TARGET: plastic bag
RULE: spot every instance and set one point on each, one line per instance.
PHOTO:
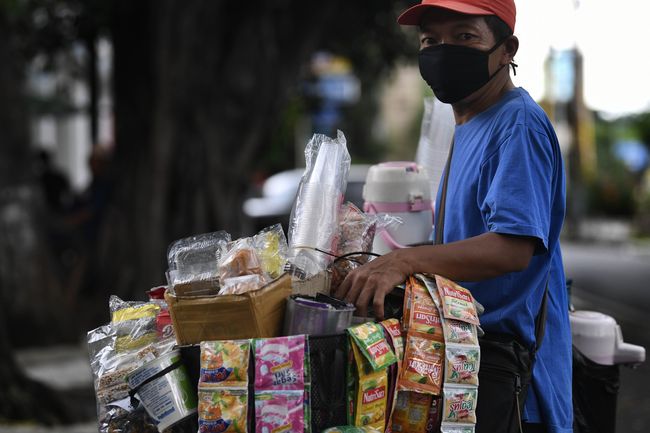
(436, 133)
(272, 248)
(314, 216)
(134, 323)
(193, 263)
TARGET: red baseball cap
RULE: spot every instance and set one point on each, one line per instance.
(504, 9)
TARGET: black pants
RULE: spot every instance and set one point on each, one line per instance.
(534, 428)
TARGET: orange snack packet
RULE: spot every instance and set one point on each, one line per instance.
(423, 365)
(457, 301)
(424, 316)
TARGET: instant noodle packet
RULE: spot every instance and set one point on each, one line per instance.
(280, 363)
(457, 301)
(369, 393)
(371, 341)
(459, 404)
(422, 366)
(462, 364)
(223, 410)
(224, 363)
(459, 332)
(424, 317)
(279, 412)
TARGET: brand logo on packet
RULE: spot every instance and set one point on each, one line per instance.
(282, 366)
(462, 405)
(463, 366)
(379, 348)
(455, 293)
(424, 368)
(374, 394)
(429, 319)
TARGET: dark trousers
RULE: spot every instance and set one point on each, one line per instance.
(534, 428)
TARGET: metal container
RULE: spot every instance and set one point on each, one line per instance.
(305, 319)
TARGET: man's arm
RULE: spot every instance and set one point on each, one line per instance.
(482, 257)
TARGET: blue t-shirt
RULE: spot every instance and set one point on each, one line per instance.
(507, 176)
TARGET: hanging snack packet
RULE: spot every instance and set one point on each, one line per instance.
(280, 363)
(462, 364)
(406, 309)
(224, 363)
(223, 410)
(393, 332)
(279, 411)
(459, 404)
(457, 301)
(422, 367)
(369, 392)
(430, 284)
(435, 411)
(424, 316)
(457, 428)
(459, 332)
(372, 343)
(411, 412)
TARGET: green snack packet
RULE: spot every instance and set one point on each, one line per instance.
(370, 339)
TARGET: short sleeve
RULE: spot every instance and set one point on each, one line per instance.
(515, 186)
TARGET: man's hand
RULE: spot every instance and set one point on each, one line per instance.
(373, 281)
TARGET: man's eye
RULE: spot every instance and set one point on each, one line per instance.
(465, 36)
(427, 41)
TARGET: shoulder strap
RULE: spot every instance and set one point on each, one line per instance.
(440, 217)
(540, 320)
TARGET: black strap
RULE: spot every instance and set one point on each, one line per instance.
(440, 218)
(161, 373)
(540, 320)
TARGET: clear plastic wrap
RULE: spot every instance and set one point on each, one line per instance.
(240, 259)
(193, 263)
(272, 249)
(110, 367)
(242, 284)
(314, 217)
(134, 323)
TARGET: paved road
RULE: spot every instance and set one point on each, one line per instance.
(614, 279)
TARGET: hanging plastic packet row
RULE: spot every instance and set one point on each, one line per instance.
(314, 219)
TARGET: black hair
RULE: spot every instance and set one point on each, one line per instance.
(498, 27)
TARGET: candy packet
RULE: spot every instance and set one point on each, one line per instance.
(224, 363)
(462, 364)
(223, 410)
(457, 301)
(279, 411)
(371, 341)
(459, 404)
(422, 367)
(370, 392)
(459, 332)
(457, 428)
(280, 363)
(424, 317)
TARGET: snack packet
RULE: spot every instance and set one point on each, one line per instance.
(271, 247)
(422, 367)
(224, 363)
(280, 363)
(411, 412)
(457, 428)
(459, 404)
(370, 392)
(462, 364)
(351, 429)
(424, 317)
(371, 341)
(240, 259)
(393, 332)
(223, 410)
(430, 284)
(459, 332)
(433, 420)
(457, 301)
(406, 313)
(279, 411)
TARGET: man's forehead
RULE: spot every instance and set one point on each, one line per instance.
(437, 17)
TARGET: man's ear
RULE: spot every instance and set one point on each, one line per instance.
(511, 46)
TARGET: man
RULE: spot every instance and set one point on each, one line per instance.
(505, 200)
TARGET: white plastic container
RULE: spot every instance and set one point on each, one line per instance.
(599, 338)
(401, 189)
(169, 398)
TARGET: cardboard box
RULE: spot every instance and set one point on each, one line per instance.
(253, 314)
(319, 283)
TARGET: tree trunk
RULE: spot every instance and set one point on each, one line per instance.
(198, 88)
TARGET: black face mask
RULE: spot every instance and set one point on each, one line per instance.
(455, 71)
